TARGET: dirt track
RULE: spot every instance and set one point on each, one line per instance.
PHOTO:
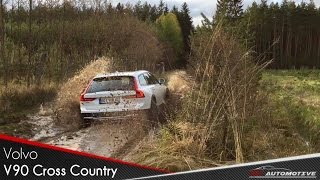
(111, 138)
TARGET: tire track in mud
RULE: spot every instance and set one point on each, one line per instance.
(132, 142)
(108, 138)
(111, 138)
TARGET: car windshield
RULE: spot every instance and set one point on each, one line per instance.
(112, 83)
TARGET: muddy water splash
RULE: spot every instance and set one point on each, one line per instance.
(66, 106)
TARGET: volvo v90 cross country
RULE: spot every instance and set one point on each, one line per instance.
(120, 93)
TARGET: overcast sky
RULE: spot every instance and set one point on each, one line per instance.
(208, 7)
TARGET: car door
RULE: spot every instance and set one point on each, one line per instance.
(157, 89)
(162, 89)
(153, 84)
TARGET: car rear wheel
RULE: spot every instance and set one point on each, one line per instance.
(85, 122)
(153, 112)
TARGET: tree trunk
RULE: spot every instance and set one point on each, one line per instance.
(2, 44)
(29, 45)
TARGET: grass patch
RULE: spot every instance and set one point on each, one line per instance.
(298, 93)
(295, 94)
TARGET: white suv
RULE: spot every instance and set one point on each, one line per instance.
(121, 92)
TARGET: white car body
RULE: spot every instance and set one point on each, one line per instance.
(114, 92)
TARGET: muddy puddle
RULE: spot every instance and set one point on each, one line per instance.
(105, 138)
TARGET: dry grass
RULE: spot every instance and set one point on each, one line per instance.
(209, 126)
(66, 106)
(174, 148)
(179, 82)
(224, 94)
(20, 97)
(230, 115)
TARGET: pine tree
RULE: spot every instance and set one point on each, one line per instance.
(153, 13)
(110, 9)
(228, 10)
(166, 9)
(145, 11)
(161, 8)
(175, 10)
(120, 8)
(187, 28)
(137, 10)
(221, 12)
(235, 10)
(206, 23)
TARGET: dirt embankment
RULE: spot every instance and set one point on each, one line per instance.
(59, 124)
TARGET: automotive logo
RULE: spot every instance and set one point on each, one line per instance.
(273, 172)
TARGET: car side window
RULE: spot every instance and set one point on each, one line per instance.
(154, 79)
(150, 79)
(142, 80)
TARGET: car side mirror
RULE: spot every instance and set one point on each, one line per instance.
(162, 81)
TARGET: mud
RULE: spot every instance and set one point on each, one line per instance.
(105, 138)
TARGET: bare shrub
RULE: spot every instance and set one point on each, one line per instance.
(134, 44)
(66, 105)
